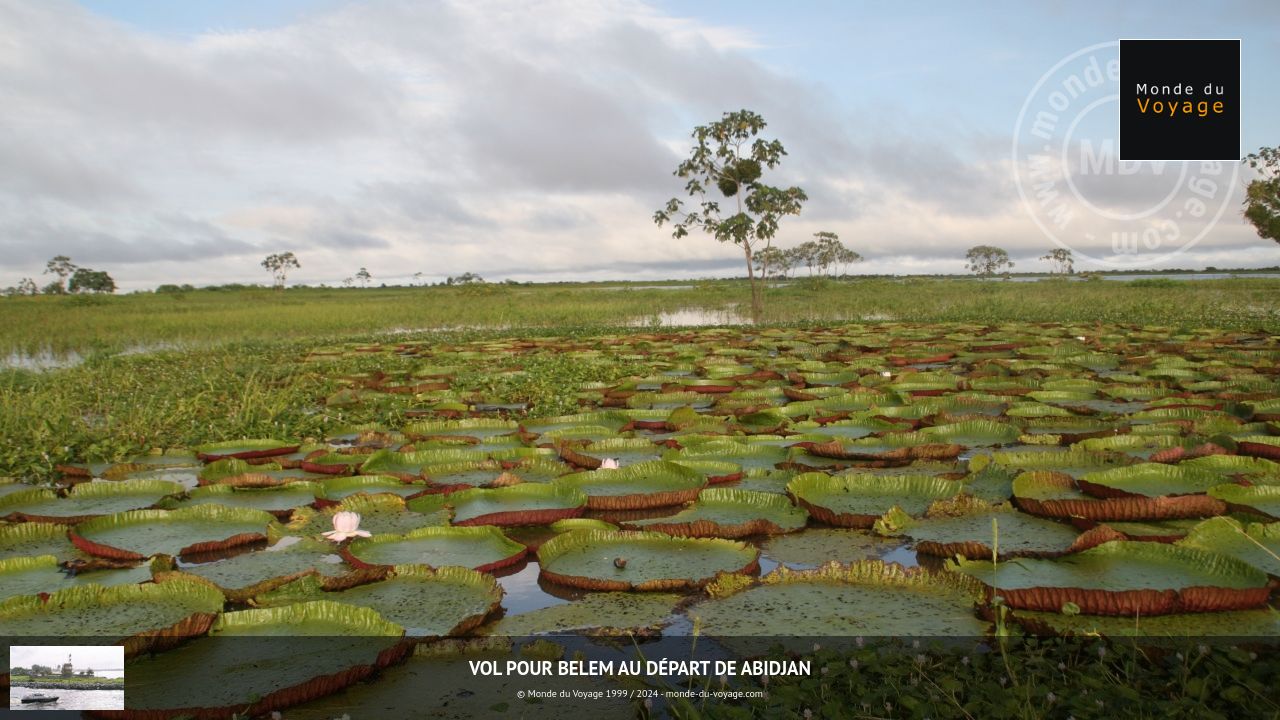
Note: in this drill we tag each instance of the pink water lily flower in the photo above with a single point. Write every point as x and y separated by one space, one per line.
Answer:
609 464
346 525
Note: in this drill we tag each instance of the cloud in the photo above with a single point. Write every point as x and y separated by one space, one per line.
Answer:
509 139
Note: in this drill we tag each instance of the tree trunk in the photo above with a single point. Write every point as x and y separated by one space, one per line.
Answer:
757 302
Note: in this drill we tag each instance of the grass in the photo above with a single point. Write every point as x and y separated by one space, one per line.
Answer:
87 325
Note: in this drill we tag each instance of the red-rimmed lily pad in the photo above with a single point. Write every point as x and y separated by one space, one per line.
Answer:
42 574
636 487
244 449
331 646
1255 543
1125 578
86 500
1056 495
138 534
858 500
729 513
1148 480
648 561
482 548
279 500
142 617
245 575
522 504
972 529
1261 499
31 538
340 487
868 598
382 513
425 601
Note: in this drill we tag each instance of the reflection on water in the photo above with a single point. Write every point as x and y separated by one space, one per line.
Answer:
692 317
68 699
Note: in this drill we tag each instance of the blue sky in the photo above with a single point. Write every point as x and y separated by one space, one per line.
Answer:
166 141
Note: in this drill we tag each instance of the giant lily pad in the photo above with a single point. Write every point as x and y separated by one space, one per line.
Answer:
141 616
972 529
523 504
617 560
1263 499
379 514
1252 624
87 500
31 538
1255 543
974 433
605 614
819 546
729 513
331 646
40 574
138 534
425 601
245 575
1056 495
865 598
636 487
1148 480
482 548
279 500
340 487
857 500
244 449
1125 578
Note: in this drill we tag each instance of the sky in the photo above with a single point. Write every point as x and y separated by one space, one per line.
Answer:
82 656
182 142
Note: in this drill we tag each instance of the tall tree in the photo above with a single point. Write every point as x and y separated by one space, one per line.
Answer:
279 265
364 277
729 156
987 260
1262 196
61 266
94 281
771 258
1060 260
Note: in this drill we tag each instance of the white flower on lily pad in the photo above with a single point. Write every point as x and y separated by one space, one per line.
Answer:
346 525
609 464
885 373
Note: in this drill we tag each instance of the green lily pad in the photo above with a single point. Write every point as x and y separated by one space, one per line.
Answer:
1264 499
338 488
857 500
31 538
482 548
115 612
1149 480
88 499
868 598
636 487
243 449
1252 624
819 546
138 534
1125 578
332 646
1255 543
523 504
974 530
605 613
31 575
425 601
974 433
244 575
603 560
380 514
729 513
273 499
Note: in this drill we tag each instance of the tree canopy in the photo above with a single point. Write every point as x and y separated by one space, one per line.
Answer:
729 156
1262 196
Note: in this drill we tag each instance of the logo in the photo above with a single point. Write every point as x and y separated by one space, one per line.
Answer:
1066 163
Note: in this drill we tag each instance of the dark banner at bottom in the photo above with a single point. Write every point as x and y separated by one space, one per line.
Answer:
323 678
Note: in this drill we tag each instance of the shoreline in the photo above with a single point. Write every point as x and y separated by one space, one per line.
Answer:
51 685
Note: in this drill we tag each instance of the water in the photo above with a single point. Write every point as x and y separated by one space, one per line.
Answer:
692 317
69 699
48 360
1164 276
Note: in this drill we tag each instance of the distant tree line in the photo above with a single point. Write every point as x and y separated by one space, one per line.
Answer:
69 278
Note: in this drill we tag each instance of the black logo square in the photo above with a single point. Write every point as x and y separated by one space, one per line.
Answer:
1180 100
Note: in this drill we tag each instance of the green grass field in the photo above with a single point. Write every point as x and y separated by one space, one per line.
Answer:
225 370
91 323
